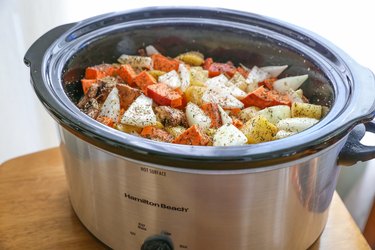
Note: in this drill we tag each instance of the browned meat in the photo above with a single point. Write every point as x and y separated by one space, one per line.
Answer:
127 95
91 93
106 85
91 108
171 116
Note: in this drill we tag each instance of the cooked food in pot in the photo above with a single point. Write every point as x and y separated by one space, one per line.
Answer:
195 100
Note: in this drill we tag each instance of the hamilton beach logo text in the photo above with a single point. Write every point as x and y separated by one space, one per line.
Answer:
155 204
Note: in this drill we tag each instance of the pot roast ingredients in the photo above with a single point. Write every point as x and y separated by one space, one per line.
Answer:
194 100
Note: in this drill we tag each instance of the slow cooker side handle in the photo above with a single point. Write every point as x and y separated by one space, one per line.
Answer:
353 150
36 52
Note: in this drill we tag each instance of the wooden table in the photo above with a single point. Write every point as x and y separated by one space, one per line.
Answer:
35 211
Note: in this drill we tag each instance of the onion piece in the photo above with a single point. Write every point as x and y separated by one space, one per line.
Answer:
292 82
274 71
151 50
140 113
111 105
195 115
172 79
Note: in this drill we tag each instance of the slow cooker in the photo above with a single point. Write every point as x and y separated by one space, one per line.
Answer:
134 193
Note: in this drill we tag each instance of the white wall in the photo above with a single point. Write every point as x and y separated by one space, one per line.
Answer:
26 127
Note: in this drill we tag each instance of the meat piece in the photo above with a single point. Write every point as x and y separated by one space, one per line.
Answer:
127 95
171 116
91 108
106 85
91 93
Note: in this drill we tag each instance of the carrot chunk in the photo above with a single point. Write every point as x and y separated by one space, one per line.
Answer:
216 69
263 98
100 71
143 80
162 94
86 84
106 121
268 83
212 111
157 134
192 136
127 73
163 63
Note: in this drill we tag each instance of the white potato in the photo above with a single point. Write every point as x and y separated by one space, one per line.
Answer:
225 118
151 50
175 131
198 74
259 129
195 115
292 82
172 79
239 81
248 113
220 95
140 113
296 124
306 110
275 113
136 61
274 71
111 105
184 76
283 134
229 135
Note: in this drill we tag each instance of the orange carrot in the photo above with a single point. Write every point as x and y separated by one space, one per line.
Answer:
163 63
100 71
162 94
263 98
268 83
235 111
192 136
207 63
216 69
127 95
143 80
86 84
212 111
237 123
157 134
127 73
106 121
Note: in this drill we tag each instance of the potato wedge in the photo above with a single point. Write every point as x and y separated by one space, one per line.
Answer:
193 58
275 113
239 81
133 130
198 74
306 110
136 61
184 76
229 135
283 134
175 131
248 113
194 94
296 124
259 129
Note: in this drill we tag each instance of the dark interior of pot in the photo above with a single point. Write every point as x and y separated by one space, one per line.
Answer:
217 41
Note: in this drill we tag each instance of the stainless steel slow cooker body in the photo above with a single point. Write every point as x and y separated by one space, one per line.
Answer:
132 192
